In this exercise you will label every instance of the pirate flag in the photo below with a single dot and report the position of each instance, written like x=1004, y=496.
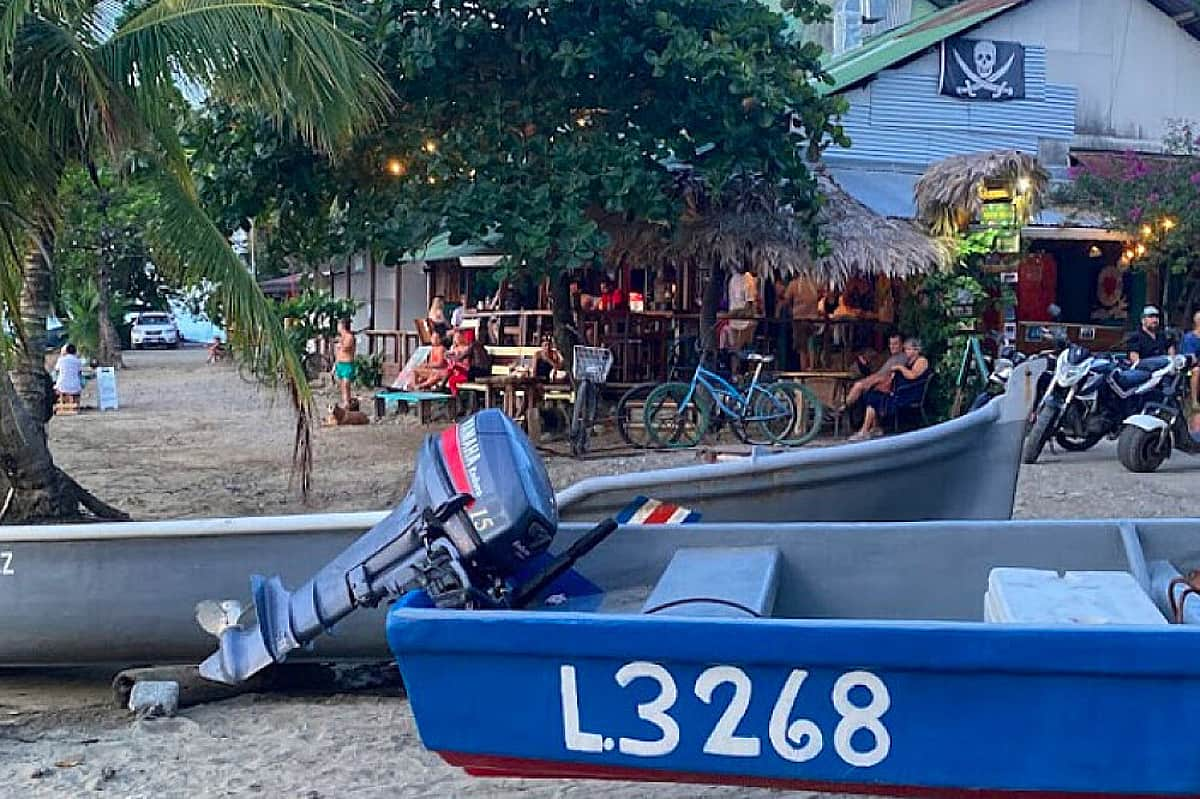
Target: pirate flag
x=982, y=69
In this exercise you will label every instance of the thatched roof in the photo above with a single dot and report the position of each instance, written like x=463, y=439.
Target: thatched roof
x=947, y=194
x=861, y=241
x=746, y=226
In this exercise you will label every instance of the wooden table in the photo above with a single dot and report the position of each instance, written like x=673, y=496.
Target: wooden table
x=522, y=401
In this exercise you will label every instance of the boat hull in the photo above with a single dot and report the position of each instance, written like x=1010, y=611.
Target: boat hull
x=965, y=712
x=126, y=592
x=847, y=698
x=972, y=461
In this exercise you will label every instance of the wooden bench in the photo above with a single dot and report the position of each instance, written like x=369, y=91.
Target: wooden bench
x=425, y=401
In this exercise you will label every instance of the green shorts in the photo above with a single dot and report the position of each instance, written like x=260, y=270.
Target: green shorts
x=344, y=370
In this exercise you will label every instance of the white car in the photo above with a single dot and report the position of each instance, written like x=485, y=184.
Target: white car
x=154, y=329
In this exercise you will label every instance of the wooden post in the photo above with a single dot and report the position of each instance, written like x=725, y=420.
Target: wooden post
x=371, y=301
x=349, y=266
x=399, y=277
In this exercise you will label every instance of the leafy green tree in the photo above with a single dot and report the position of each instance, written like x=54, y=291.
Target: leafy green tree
x=78, y=87
x=1157, y=201
x=540, y=122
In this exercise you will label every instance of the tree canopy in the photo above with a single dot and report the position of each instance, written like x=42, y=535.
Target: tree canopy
x=533, y=120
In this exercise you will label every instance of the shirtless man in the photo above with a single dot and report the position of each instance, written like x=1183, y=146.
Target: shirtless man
x=343, y=372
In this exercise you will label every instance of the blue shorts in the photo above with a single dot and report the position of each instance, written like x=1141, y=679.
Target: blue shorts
x=344, y=370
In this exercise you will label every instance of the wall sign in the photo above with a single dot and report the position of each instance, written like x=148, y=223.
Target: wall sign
x=106, y=387
x=982, y=69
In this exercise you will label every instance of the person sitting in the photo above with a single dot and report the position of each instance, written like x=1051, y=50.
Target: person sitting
x=437, y=316
x=69, y=384
x=882, y=377
x=547, y=361
x=611, y=298
x=884, y=403
x=216, y=351
x=435, y=369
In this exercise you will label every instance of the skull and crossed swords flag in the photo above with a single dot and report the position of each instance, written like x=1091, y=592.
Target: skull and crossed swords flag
x=983, y=69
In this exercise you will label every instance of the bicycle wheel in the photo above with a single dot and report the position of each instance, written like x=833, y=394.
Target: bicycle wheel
x=770, y=415
x=631, y=417
x=810, y=415
x=669, y=423
x=583, y=415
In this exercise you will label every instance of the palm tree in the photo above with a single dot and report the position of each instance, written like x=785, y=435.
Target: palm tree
x=78, y=86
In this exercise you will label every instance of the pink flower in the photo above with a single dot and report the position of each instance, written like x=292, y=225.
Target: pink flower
x=1075, y=171
x=1153, y=198
x=1196, y=179
x=1135, y=214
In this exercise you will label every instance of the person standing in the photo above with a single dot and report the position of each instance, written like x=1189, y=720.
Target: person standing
x=343, y=371
x=803, y=296
x=1149, y=341
x=1191, y=346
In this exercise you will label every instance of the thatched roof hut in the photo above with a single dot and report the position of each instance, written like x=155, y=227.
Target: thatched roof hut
x=861, y=241
x=948, y=194
x=747, y=226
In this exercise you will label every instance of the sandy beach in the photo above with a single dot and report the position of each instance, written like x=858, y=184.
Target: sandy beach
x=192, y=440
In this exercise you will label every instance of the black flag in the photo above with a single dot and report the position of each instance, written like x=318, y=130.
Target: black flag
x=983, y=69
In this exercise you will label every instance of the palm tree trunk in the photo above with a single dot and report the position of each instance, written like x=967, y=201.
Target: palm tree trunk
x=33, y=487
x=29, y=377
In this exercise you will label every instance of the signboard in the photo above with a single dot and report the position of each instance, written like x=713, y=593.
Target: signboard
x=982, y=70
x=106, y=387
x=998, y=214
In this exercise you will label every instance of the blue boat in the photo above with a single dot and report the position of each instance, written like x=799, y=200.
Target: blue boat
x=1002, y=658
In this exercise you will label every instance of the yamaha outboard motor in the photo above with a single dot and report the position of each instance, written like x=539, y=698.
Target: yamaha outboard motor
x=480, y=508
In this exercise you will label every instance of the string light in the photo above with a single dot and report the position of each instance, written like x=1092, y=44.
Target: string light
x=1167, y=223
x=395, y=167
x=1147, y=231
x=430, y=147
x=1140, y=249
x=1127, y=255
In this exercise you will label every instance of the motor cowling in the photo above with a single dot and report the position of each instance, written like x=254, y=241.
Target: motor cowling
x=479, y=508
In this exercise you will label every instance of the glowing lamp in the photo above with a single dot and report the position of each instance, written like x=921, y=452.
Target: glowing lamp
x=395, y=167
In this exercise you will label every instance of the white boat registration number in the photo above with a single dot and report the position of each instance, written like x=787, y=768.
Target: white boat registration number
x=6, y=567
x=797, y=740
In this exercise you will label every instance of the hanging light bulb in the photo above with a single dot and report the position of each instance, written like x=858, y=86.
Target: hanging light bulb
x=1167, y=223
x=1094, y=252
x=1140, y=249
x=1147, y=231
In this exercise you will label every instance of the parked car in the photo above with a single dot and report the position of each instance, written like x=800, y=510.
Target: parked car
x=154, y=329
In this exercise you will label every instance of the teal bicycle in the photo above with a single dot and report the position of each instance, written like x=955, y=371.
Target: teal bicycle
x=680, y=414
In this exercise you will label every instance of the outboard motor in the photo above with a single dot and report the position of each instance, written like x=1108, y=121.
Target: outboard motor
x=479, y=509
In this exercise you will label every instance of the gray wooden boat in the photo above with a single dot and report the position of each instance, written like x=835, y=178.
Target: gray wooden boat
x=126, y=593
x=965, y=468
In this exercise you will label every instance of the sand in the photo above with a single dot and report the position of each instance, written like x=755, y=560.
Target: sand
x=192, y=440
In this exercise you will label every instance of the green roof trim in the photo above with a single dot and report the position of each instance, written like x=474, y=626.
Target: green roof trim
x=440, y=249
x=880, y=52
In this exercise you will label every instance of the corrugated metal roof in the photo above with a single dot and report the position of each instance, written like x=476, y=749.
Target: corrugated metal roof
x=1186, y=13
x=888, y=49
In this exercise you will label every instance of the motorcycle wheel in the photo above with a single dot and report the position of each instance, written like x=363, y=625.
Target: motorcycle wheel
x=1140, y=450
x=1074, y=444
x=1039, y=434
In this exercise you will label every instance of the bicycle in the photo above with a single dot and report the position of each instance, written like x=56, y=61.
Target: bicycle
x=589, y=371
x=630, y=407
x=679, y=414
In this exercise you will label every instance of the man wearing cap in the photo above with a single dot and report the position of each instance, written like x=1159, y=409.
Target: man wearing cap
x=1149, y=341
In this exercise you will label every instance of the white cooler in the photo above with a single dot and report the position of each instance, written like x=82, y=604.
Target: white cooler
x=1039, y=596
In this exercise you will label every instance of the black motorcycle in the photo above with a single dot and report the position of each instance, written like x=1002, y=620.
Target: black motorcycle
x=1147, y=438
x=1088, y=399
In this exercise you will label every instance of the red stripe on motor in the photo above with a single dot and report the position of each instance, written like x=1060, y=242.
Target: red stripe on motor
x=454, y=461
x=532, y=768
x=661, y=514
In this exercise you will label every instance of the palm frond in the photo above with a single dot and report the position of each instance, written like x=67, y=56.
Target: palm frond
x=191, y=249
x=295, y=61
x=65, y=91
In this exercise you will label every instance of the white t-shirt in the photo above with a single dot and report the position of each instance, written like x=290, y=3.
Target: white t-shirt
x=70, y=375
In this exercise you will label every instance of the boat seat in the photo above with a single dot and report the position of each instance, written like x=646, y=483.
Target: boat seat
x=756, y=357
x=723, y=582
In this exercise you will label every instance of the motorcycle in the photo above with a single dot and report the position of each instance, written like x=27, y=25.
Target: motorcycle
x=1087, y=400
x=1147, y=438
